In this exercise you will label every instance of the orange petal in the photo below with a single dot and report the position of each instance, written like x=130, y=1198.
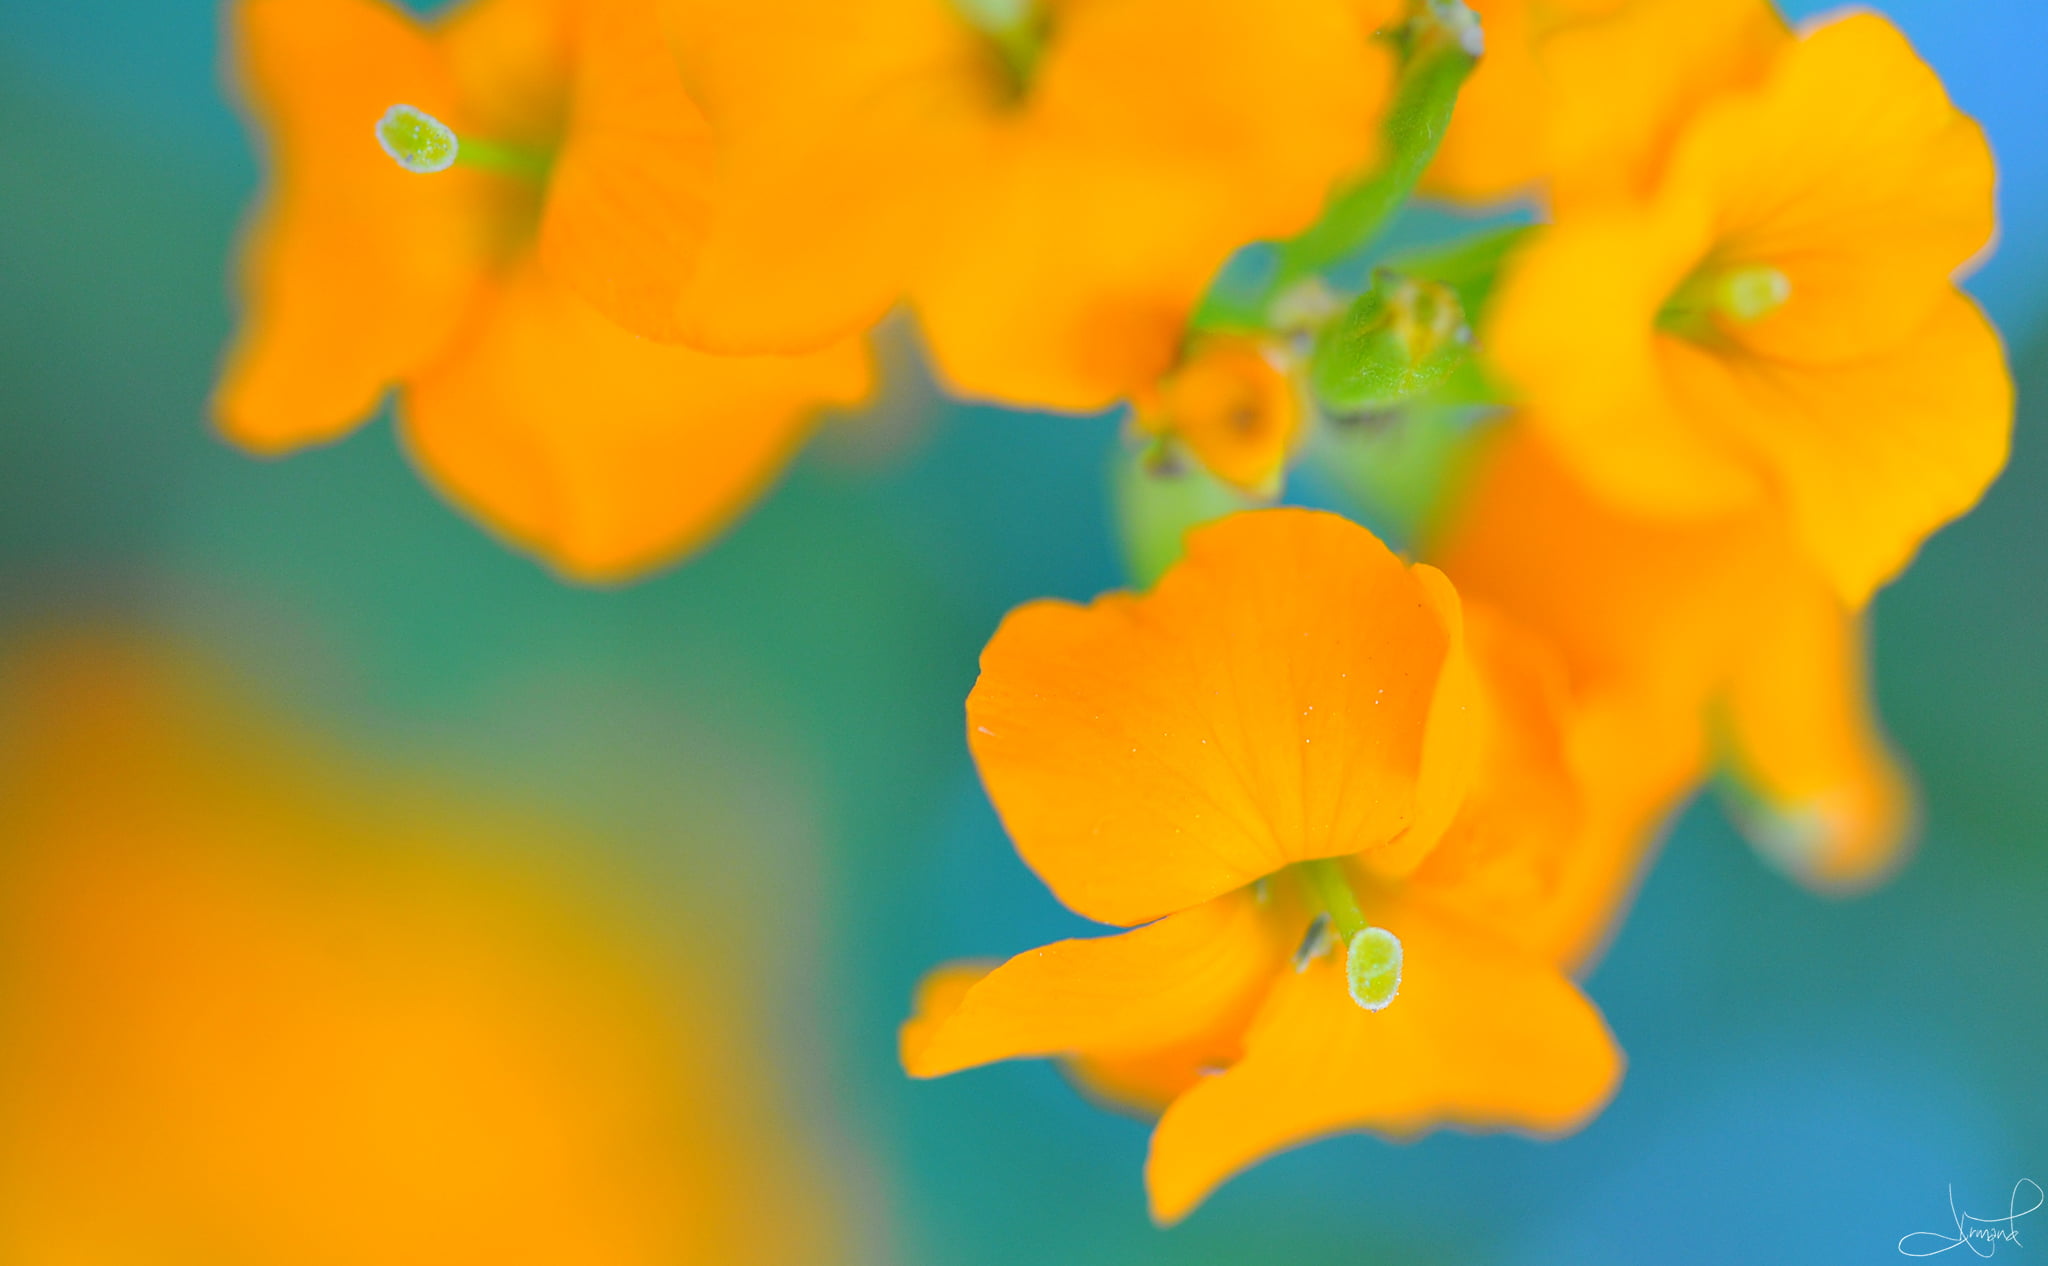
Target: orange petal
x=1644, y=605
x=1156, y=137
x=355, y=272
x=1621, y=88
x=1646, y=616
x=1574, y=328
x=512, y=61
x=1453, y=735
x=1266, y=703
x=938, y=996
x=841, y=131
x=1831, y=804
x=1569, y=800
x=1480, y=1037
x=1871, y=456
x=628, y=197
x=1503, y=855
x=1140, y=1081
x=604, y=453
x=1588, y=95
x=1635, y=762
x=1167, y=983
x=1852, y=173
x=1493, y=148
x=1667, y=630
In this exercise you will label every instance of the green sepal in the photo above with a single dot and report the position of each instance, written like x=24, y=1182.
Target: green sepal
x=1470, y=266
x=1402, y=338
x=1440, y=45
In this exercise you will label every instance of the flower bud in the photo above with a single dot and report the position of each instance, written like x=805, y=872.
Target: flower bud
x=1233, y=406
x=1398, y=340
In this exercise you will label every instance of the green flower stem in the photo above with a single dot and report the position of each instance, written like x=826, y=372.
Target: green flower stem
x=1442, y=47
x=1326, y=881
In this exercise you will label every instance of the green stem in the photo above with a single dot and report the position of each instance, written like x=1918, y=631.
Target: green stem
x=1440, y=54
x=1326, y=881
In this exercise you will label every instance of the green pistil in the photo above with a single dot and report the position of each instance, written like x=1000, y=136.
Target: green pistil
x=1713, y=296
x=421, y=143
x=1332, y=891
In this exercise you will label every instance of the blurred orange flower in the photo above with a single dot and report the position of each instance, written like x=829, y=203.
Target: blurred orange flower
x=600, y=451
x=1778, y=323
x=262, y=1010
x=1579, y=97
x=1269, y=756
x=1687, y=644
x=1051, y=184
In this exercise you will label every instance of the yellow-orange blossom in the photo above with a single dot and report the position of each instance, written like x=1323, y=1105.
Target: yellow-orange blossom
x=470, y=291
x=1185, y=759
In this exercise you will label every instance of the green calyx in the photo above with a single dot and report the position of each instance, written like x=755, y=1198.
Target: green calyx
x=1403, y=337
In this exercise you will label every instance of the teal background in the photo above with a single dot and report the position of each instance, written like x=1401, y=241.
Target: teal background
x=767, y=741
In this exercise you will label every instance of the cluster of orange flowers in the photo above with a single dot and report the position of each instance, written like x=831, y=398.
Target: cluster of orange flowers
x=1365, y=817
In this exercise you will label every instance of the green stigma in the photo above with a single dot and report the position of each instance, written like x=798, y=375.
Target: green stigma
x=416, y=140
x=1715, y=297
x=1372, y=967
x=1751, y=292
x=1372, y=956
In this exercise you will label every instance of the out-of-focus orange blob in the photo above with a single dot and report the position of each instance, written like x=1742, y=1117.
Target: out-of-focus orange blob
x=1688, y=644
x=263, y=1008
x=1232, y=406
x=1580, y=98
x=1052, y=224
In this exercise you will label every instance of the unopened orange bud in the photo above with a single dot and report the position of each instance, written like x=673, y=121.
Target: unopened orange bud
x=1232, y=404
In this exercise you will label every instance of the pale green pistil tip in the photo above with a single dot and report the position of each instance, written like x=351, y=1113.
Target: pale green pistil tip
x=1372, y=967
x=416, y=140
x=1751, y=293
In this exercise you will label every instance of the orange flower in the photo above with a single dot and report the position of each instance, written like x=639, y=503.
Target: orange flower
x=602, y=452
x=261, y=1011
x=1577, y=97
x=1233, y=405
x=1267, y=757
x=1778, y=323
x=1689, y=643
x=1052, y=194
